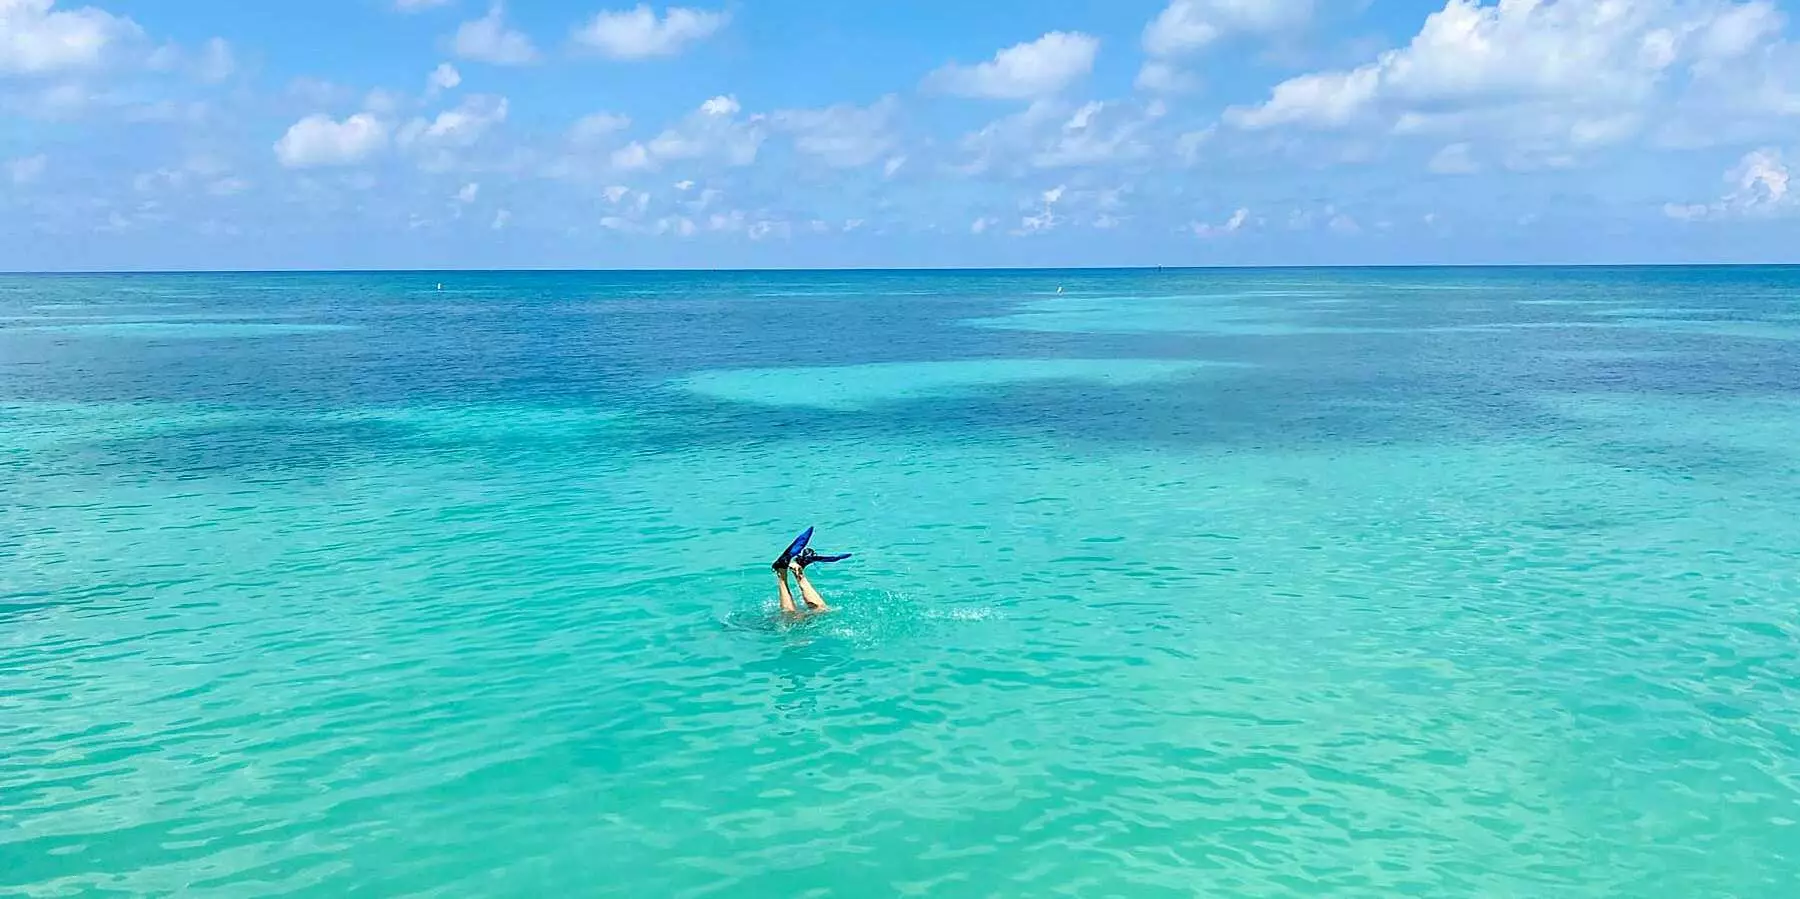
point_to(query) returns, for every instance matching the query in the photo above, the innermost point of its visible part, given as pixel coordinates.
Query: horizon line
(883, 269)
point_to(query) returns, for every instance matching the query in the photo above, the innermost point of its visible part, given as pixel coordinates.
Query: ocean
(1224, 583)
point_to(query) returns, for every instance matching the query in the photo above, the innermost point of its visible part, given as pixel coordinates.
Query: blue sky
(219, 134)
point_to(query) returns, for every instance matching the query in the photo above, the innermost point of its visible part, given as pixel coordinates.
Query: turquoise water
(1241, 583)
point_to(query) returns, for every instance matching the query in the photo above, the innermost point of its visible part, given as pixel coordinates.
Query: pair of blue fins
(799, 552)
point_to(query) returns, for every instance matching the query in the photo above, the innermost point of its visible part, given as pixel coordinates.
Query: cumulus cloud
(468, 193)
(488, 40)
(637, 33)
(711, 133)
(27, 169)
(36, 38)
(1760, 187)
(1188, 25)
(319, 140)
(1024, 71)
(845, 135)
(458, 127)
(443, 78)
(721, 106)
(632, 157)
(1554, 73)
(1050, 134)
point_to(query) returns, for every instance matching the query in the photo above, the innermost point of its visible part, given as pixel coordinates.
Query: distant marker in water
(1059, 288)
(440, 286)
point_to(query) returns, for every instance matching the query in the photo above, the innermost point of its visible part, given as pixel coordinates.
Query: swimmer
(794, 561)
(814, 602)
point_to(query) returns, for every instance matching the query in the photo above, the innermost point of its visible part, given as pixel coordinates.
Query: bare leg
(812, 597)
(787, 598)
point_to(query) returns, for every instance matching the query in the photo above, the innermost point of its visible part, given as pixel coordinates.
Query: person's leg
(787, 598)
(812, 597)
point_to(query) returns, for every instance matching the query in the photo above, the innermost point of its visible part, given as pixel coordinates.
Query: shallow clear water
(1248, 583)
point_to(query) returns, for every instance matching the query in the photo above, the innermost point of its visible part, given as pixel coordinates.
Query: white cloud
(595, 128)
(1231, 226)
(27, 169)
(319, 140)
(1188, 25)
(38, 39)
(1324, 99)
(1548, 76)
(488, 40)
(459, 127)
(1049, 134)
(845, 135)
(418, 5)
(981, 225)
(443, 78)
(636, 33)
(711, 133)
(893, 166)
(684, 186)
(1046, 218)
(1024, 71)
(468, 193)
(1095, 133)
(1761, 184)
(632, 157)
(502, 219)
(1454, 159)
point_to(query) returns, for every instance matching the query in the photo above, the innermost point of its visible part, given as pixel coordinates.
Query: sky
(397, 134)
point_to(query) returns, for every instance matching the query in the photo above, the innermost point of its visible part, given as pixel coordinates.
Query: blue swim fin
(794, 549)
(808, 557)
